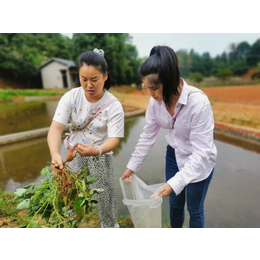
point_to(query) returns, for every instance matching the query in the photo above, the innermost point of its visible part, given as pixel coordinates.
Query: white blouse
(191, 137)
(74, 108)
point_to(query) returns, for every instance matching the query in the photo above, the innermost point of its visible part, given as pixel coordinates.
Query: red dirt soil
(249, 95)
(236, 105)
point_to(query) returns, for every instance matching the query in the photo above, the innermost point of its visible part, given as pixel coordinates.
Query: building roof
(68, 63)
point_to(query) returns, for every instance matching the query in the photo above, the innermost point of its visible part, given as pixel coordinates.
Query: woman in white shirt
(191, 153)
(91, 137)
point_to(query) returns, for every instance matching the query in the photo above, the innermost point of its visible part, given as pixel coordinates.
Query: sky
(214, 43)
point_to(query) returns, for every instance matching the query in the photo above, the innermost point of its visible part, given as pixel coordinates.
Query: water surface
(25, 116)
(233, 195)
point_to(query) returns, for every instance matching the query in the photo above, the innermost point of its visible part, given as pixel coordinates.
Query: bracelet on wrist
(100, 150)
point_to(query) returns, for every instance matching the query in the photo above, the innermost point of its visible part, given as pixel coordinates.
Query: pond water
(25, 116)
(233, 195)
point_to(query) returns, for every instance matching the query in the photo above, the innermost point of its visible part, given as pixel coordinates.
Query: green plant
(6, 204)
(62, 200)
(224, 74)
(9, 94)
(196, 76)
(125, 222)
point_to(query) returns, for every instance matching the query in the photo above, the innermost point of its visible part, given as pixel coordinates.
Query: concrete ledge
(22, 136)
(28, 135)
(135, 113)
(237, 140)
(244, 137)
(241, 131)
(248, 138)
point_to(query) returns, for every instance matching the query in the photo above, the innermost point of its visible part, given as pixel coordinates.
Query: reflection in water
(25, 116)
(21, 163)
(129, 124)
(248, 144)
(233, 195)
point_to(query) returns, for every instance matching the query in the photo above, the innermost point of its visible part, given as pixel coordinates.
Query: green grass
(9, 94)
(8, 212)
(125, 222)
(7, 206)
(215, 82)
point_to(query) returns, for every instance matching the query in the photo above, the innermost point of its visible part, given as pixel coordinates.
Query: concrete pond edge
(36, 133)
(236, 135)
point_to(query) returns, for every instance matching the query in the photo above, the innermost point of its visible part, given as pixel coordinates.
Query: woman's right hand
(56, 159)
(127, 173)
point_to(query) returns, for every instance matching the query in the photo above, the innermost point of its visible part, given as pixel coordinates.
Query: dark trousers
(195, 192)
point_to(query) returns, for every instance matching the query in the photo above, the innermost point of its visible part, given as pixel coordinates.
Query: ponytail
(163, 61)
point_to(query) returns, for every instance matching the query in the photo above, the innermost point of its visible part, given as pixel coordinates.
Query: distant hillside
(250, 73)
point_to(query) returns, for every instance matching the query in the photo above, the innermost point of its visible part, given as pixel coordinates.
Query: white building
(59, 73)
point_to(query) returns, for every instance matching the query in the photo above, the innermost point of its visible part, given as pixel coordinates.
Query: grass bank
(10, 94)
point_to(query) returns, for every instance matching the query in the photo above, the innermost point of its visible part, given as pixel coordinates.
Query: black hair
(91, 58)
(163, 64)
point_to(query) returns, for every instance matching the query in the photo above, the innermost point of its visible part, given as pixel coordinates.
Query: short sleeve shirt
(74, 108)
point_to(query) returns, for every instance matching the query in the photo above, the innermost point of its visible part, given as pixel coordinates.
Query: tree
(120, 54)
(254, 54)
(196, 62)
(196, 76)
(243, 49)
(206, 63)
(224, 74)
(184, 63)
(239, 67)
(233, 52)
(21, 54)
(220, 62)
(237, 58)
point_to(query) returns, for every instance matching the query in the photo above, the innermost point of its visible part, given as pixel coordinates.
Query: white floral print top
(74, 108)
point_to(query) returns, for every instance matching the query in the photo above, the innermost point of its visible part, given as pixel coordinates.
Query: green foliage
(254, 54)
(125, 222)
(7, 206)
(239, 59)
(196, 76)
(9, 94)
(224, 74)
(184, 62)
(120, 54)
(239, 67)
(193, 62)
(62, 201)
(22, 54)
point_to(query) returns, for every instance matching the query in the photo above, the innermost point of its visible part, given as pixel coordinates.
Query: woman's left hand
(165, 190)
(87, 150)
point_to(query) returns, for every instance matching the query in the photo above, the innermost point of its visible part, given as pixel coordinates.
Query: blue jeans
(195, 192)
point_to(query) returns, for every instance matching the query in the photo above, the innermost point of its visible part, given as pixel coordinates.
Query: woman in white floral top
(97, 138)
